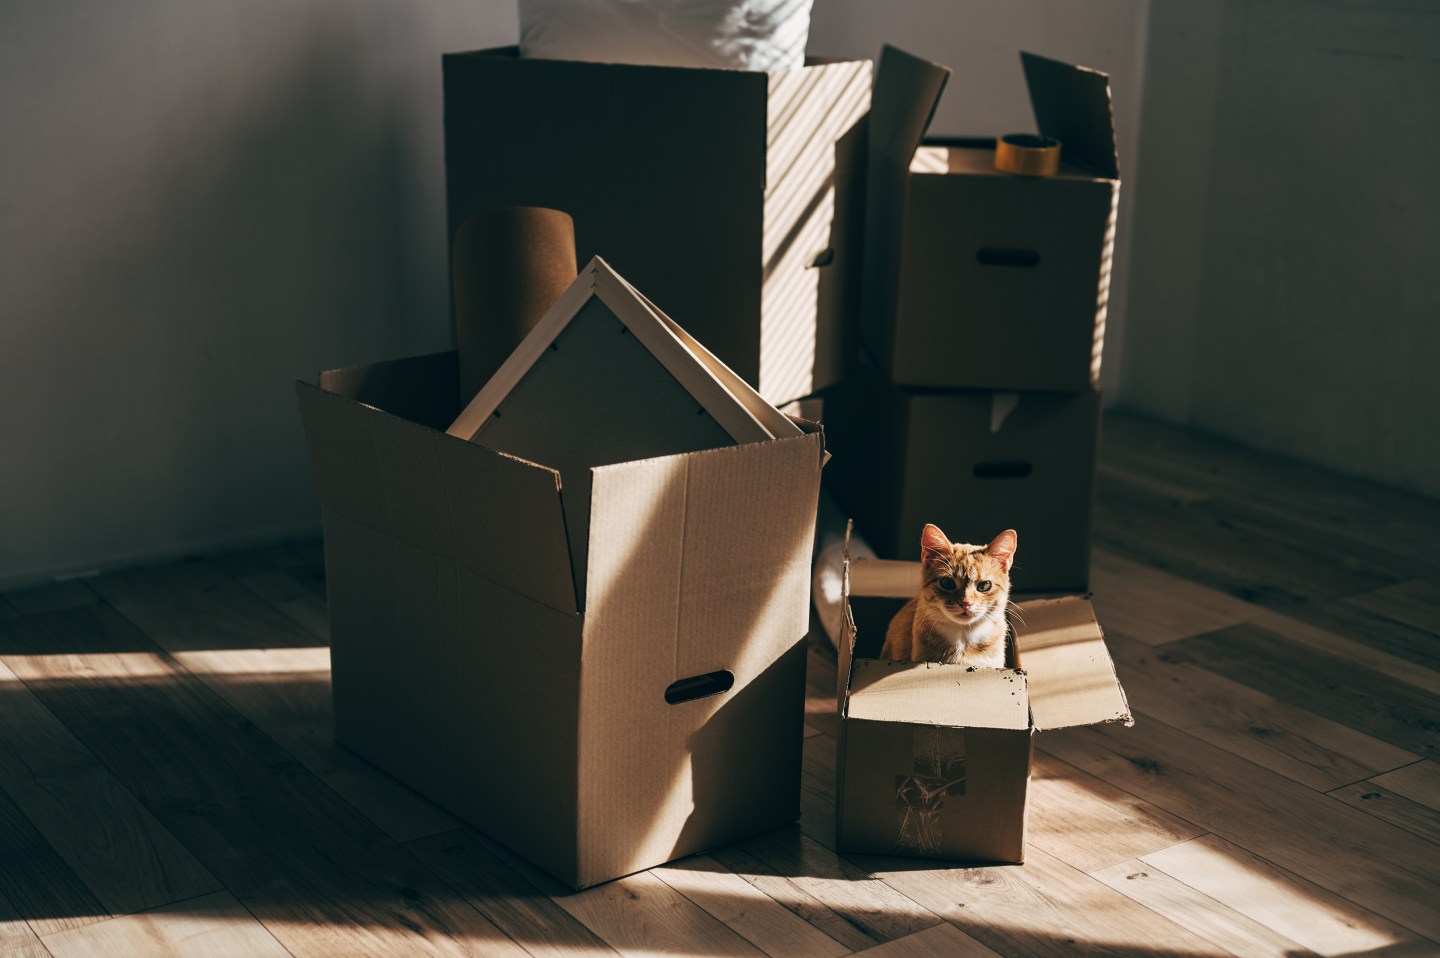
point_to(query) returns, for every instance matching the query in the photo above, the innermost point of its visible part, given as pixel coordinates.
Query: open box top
(606, 402)
(1063, 676)
(1070, 103)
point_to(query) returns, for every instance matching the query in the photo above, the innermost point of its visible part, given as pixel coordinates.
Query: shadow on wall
(199, 228)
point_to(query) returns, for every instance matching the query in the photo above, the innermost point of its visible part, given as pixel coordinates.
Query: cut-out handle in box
(1003, 469)
(699, 686)
(1000, 256)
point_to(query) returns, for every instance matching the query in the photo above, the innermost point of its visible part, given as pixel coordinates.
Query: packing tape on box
(937, 770)
(1027, 154)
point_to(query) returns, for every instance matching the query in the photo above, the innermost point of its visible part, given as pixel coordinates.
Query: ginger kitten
(959, 615)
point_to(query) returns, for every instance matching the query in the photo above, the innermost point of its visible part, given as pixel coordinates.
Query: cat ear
(934, 546)
(1002, 547)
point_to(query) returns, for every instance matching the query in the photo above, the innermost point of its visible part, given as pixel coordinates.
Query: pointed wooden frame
(729, 400)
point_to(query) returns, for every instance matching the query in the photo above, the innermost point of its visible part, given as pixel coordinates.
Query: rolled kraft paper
(508, 267)
(1026, 154)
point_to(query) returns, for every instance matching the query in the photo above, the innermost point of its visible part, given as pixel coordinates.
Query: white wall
(981, 41)
(1284, 288)
(199, 203)
(203, 201)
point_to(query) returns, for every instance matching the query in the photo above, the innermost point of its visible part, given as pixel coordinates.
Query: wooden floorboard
(169, 784)
(1343, 690)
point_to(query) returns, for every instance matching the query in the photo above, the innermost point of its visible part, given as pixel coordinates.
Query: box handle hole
(822, 258)
(996, 256)
(1003, 469)
(699, 686)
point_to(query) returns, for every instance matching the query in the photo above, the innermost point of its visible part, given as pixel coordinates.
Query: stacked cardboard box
(975, 406)
(581, 632)
(975, 402)
(730, 197)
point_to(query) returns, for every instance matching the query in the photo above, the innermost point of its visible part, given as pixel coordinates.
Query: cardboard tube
(1026, 154)
(508, 266)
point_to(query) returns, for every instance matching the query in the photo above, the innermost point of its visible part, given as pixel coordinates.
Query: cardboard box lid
(1072, 104)
(907, 91)
(497, 515)
(930, 693)
(1072, 681)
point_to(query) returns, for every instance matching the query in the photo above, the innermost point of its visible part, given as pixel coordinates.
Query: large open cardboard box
(733, 198)
(973, 462)
(976, 278)
(566, 714)
(934, 760)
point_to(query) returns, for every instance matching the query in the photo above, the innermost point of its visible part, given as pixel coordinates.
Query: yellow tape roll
(1026, 154)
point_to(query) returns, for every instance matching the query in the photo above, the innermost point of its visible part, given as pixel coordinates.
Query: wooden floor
(168, 784)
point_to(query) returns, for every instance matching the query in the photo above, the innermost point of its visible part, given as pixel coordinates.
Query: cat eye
(983, 585)
(946, 585)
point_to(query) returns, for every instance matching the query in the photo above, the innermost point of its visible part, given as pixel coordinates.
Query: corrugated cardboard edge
(1073, 105)
(907, 94)
(334, 487)
(1090, 692)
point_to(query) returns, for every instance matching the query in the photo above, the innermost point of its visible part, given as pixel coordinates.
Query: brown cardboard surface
(508, 266)
(1072, 104)
(513, 534)
(937, 694)
(463, 666)
(888, 578)
(622, 148)
(971, 462)
(706, 567)
(418, 388)
(975, 279)
(1072, 678)
(896, 802)
(933, 760)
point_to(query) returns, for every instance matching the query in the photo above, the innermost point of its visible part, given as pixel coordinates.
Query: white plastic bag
(736, 34)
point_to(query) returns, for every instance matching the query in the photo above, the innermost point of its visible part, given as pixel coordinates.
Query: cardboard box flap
(907, 91)
(699, 570)
(1071, 677)
(497, 515)
(422, 389)
(603, 379)
(1072, 104)
(929, 693)
(887, 578)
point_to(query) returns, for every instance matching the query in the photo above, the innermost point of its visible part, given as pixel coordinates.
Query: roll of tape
(1026, 154)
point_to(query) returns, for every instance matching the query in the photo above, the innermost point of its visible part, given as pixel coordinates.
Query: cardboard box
(934, 760)
(972, 462)
(980, 279)
(597, 724)
(731, 197)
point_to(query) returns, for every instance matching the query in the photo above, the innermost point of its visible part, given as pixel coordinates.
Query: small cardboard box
(934, 760)
(976, 278)
(972, 462)
(733, 198)
(597, 724)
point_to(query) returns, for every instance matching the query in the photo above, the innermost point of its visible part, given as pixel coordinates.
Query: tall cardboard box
(597, 723)
(980, 279)
(733, 198)
(933, 759)
(974, 462)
